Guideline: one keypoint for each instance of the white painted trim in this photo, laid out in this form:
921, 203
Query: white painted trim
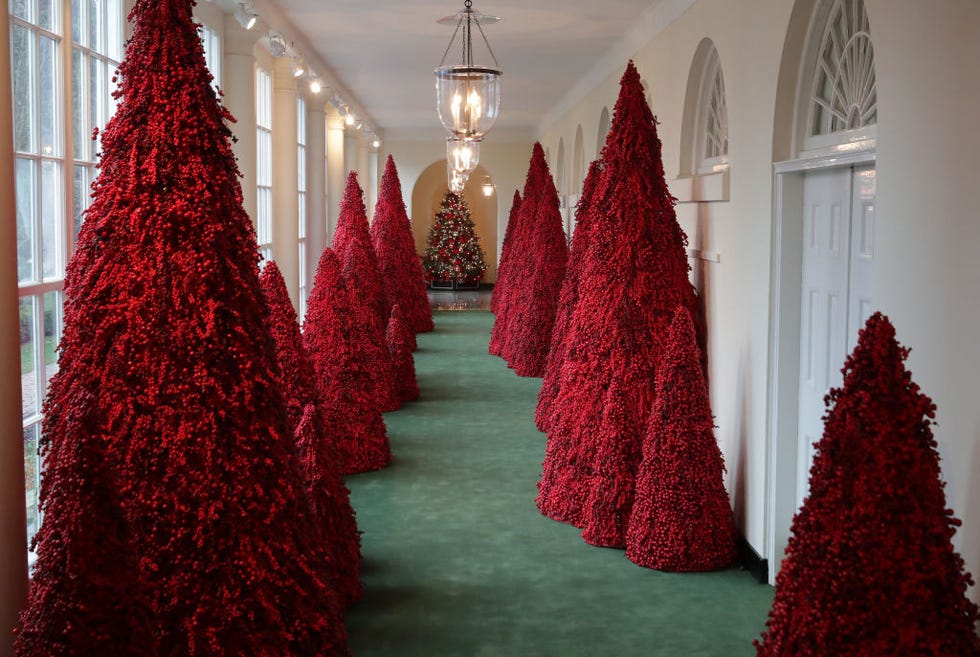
836, 158
702, 188
654, 20
706, 256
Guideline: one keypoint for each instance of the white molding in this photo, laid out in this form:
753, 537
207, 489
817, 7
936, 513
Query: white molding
837, 157
703, 188
706, 256
654, 20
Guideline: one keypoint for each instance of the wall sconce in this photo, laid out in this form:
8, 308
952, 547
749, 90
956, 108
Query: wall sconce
487, 186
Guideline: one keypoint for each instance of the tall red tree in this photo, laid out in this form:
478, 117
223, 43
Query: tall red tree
870, 568
367, 319
360, 434
567, 298
397, 337
321, 465
634, 277
398, 263
500, 287
540, 253
168, 367
681, 519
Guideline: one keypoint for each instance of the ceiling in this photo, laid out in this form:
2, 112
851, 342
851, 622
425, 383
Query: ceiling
383, 52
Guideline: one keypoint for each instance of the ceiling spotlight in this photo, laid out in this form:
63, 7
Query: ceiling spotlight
376, 143
246, 16
349, 118
277, 45
299, 68
315, 85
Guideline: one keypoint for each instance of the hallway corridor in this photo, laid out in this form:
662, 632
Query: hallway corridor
459, 563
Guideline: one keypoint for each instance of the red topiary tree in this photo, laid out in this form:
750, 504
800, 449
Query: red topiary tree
634, 276
360, 435
368, 319
398, 263
322, 469
539, 259
567, 298
397, 337
500, 287
169, 371
681, 518
870, 567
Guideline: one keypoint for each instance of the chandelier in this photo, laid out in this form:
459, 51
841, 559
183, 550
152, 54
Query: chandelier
467, 95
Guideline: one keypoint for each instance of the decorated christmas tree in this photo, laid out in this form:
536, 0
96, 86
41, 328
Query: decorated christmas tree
367, 319
634, 276
166, 420
351, 414
870, 567
391, 234
397, 338
322, 469
681, 519
539, 253
453, 255
500, 287
567, 298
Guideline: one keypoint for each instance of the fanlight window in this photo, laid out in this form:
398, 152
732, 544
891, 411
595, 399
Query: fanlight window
844, 93
711, 149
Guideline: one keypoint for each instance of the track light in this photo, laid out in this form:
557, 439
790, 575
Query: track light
246, 16
315, 85
376, 143
349, 119
299, 69
277, 45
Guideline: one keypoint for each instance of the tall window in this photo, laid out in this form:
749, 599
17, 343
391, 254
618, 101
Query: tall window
301, 204
712, 139
55, 115
212, 53
263, 177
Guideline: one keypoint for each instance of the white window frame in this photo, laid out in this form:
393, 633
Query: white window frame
301, 188
263, 164
712, 104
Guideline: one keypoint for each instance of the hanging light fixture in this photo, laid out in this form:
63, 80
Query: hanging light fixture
246, 16
487, 186
467, 94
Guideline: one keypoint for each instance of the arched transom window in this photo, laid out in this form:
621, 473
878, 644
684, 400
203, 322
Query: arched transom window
711, 144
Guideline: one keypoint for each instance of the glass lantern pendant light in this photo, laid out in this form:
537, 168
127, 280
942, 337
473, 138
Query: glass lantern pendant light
463, 155
468, 95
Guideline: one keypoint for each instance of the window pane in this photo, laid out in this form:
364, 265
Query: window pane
32, 479
301, 215
22, 9
52, 334
77, 34
22, 73
26, 212
28, 358
114, 38
78, 104
82, 190
96, 34
98, 93
51, 225
48, 97
47, 15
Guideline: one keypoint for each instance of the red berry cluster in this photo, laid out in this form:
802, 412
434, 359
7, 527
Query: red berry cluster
500, 287
399, 345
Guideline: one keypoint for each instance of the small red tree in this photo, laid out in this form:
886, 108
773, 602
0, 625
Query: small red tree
681, 518
500, 287
367, 318
322, 469
539, 259
397, 338
567, 298
870, 568
634, 277
167, 366
398, 263
361, 438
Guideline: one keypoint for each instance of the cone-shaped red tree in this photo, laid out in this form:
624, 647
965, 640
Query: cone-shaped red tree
168, 365
870, 567
540, 254
360, 435
401, 271
681, 519
367, 319
633, 278
322, 469
500, 287
567, 298
397, 338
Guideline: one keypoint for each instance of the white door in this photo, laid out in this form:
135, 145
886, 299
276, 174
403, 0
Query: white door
838, 287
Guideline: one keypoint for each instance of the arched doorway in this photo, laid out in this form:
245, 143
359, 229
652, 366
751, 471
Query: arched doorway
823, 236
427, 195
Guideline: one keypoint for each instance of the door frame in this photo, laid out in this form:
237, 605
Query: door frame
785, 307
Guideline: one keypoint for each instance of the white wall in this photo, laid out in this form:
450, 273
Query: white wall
929, 90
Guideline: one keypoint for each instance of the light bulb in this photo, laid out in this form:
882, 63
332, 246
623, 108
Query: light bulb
298, 68
349, 119
376, 143
315, 85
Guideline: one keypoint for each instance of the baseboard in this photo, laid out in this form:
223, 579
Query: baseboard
752, 562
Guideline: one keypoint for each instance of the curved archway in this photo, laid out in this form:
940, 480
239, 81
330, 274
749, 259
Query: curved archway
705, 122
603, 131
427, 194
560, 169
578, 162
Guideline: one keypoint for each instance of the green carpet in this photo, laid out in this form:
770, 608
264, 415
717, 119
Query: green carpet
458, 561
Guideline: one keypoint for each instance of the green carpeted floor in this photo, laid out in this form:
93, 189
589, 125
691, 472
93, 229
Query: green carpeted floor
459, 563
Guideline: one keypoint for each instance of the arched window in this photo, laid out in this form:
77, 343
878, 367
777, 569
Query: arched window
559, 170
603, 131
578, 162
711, 127
842, 106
